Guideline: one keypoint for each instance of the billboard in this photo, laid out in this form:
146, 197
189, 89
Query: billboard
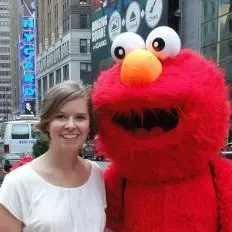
110, 18
27, 45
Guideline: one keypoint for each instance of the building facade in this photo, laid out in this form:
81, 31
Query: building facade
15, 30
216, 28
63, 43
5, 61
207, 27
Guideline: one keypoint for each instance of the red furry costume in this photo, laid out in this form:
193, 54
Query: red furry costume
164, 136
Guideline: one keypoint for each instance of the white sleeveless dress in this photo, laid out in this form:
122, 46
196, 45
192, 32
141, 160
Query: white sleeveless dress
43, 207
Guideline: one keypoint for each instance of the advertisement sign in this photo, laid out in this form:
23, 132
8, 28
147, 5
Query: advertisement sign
30, 107
110, 18
27, 57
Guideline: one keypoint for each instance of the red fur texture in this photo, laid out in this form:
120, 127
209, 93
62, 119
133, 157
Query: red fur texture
170, 185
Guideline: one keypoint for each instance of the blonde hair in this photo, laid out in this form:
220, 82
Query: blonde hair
57, 96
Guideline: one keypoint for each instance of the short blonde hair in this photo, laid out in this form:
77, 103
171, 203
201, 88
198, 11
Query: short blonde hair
57, 96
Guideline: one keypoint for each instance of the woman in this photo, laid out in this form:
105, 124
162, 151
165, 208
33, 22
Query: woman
59, 191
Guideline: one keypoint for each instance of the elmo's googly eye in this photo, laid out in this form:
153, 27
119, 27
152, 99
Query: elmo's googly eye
124, 44
163, 42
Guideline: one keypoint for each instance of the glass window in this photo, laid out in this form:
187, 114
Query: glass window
66, 72
45, 85
39, 92
83, 45
210, 10
225, 7
20, 131
225, 23
83, 22
58, 76
83, 2
51, 80
85, 73
209, 33
227, 66
225, 49
210, 52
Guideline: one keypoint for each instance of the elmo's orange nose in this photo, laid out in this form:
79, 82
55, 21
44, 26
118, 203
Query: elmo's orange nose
140, 67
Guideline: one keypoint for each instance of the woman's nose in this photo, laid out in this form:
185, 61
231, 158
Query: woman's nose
70, 123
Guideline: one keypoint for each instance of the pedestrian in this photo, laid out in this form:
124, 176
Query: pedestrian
7, 166
58, 191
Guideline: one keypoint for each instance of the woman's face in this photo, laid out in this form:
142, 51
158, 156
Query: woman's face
69, 128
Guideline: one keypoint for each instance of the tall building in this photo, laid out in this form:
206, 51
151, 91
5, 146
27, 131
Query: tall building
207, 27
63, 43
15, 30
5, 61
216, 26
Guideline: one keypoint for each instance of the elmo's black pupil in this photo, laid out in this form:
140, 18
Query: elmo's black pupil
119, 52
158, 44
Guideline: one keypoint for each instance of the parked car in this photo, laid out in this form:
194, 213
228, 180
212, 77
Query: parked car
226, 151
99, 157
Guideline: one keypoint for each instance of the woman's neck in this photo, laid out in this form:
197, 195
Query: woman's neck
66, 161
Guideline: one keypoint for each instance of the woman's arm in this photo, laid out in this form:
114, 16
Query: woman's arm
8, 223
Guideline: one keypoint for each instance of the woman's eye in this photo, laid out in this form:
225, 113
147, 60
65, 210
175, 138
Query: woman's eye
164, 42
80, 117
60, 117
124, 44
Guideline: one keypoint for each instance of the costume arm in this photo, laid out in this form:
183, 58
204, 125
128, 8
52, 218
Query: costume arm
114, 196
222, 170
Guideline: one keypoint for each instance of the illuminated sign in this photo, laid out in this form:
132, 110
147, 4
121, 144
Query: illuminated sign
110, 18
27, 56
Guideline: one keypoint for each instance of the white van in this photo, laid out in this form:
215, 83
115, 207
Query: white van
19, 137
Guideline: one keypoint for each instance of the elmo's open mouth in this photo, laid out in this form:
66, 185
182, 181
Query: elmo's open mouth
148, 119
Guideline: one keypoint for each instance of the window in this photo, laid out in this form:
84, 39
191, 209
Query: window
4, 57
83, 2
20, 131
209, 33
4, 65
227, 66
86, 72
39, 92
83, 22
225, 49
65, 4
83, 45
210, 52
4, 33
210, 10
45, 85
66, 72
51, 80
5, 73
58, 76
225, 27
225, 6
85, 67
66, 24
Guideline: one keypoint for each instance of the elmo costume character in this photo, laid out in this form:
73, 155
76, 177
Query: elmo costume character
163, 116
